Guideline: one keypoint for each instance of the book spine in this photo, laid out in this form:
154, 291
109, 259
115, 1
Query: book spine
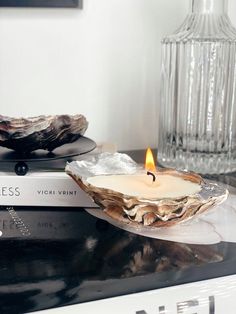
37, 223
42, 191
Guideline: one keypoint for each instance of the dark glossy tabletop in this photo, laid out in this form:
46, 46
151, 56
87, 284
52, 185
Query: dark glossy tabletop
67, 256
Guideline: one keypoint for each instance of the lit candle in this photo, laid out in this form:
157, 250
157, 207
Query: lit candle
150, 164
142, 185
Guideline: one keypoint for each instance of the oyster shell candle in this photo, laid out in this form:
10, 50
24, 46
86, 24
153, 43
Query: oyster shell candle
149, 184
150, 197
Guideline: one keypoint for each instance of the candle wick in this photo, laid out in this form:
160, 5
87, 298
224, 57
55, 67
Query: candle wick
152, 174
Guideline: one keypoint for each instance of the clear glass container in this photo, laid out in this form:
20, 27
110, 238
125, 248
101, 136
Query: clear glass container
197, 126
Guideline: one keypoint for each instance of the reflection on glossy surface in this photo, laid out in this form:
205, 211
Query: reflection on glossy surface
102, 262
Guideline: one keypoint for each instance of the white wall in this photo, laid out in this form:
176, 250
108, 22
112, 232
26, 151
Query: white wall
102, 61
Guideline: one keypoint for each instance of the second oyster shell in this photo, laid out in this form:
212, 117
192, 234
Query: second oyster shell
25, 135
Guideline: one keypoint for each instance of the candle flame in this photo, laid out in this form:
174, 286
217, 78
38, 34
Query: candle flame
150, 164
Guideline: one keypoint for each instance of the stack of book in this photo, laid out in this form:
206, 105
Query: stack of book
45, 188
42, 189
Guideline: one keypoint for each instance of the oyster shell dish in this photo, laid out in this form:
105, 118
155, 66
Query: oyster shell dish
139, 211
25, 135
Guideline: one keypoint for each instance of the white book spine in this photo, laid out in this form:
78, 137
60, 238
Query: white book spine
42, 189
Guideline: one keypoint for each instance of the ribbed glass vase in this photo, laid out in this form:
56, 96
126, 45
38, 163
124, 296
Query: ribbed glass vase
197, 127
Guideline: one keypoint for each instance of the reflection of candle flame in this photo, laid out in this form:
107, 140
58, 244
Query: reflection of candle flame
150, 164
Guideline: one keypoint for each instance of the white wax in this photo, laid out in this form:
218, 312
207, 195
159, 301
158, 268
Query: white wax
142, 185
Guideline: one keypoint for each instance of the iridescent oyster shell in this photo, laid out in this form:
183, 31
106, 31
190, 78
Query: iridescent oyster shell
153, 212
25, 135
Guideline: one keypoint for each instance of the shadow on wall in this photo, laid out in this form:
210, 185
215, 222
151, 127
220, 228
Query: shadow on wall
133, 79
